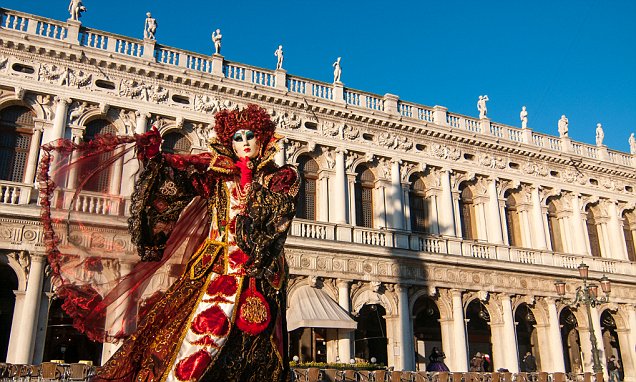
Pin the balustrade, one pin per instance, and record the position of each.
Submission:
(50, 30)
(234, 72)
(167, 56)
(14, 193)
(93, 40)
(263, 78)
(129, 47)
(296, 85)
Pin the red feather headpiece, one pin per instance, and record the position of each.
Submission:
(253, 118)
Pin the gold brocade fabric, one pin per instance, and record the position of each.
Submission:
(260, 227)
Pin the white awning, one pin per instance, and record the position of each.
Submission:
(313, 308)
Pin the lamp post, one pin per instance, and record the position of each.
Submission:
(587, 295)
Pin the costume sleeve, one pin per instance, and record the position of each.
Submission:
(261, 231)
(165, 187)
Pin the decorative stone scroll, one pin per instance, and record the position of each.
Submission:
(142, 91)
(445, 152)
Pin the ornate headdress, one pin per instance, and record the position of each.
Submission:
(253, 118)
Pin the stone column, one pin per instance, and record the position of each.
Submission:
(14, 336)
(345, 338)
(380, 204)
(131, 165)
(279, 158)
(115, 182)
(76, 136)
(577, 227)
(555, 349)
(394, 201)
(459, 348)
(524, 222)
(481, 219)
(113, 314)
(627, 340)
(339, 194)
(538, 228)
(407, 352)
(447, 219)
(28, 324)
(494, 218)
(509, 340)
(618, 244)
(34, 150)
(59, 122)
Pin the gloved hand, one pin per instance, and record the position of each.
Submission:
(148, 144)
(245, 166)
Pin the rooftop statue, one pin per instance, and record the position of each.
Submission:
(632, 144)
(563, 126)
(600, 134)
(75, 8)
(523, 115)
(150, 27)
(216, 38)
(481, 106)
(337, 71)
(279, 54)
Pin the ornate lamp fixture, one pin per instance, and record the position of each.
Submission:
(587, 295)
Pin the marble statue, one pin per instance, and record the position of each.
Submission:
(279, 54)
(481, 106)
(600, 134)
(337, 71)
(150, 27)
(632, 144)
(563, 126)
(523, 115)
(75, 8)
(216, 38)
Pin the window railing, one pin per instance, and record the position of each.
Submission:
(14, 193)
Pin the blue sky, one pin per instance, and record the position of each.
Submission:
(576, 58)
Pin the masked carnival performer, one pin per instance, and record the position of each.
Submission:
(223, 216)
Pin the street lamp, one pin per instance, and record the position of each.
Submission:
(588, 296)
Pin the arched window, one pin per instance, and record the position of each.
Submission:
(365, 182)
(100, 181)
(554, 227)
(467, 213)
(16, 128)
(308, 169)
(629, 227)
(512, 220)
(176, 143)
(418, 205)
(592, 231)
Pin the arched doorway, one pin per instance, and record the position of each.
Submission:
(478, 330)
(426, 329)
(7, 304)
(526, 334)
(370, 336)
(610, 338)
(571, 342)
(64, 342)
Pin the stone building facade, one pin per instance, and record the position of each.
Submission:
(417, 227)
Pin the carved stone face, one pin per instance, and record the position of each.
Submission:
(245, 144)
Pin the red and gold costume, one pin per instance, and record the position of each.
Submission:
(224, 317)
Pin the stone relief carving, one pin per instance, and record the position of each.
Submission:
(330, 158)
(329, 128)
(209, 104)
(142, 91)
(22, 258)
(129, 119)
(77, 111)
(59, 75)
(204, 132)
(393, 141)
(535, 169)
(405, 170)
(493, 162)
(445, 152)
(350, 160)
(572, 176)
(3, 62)
(291, 148)
(384, 168)
(46, 101)
(286, 121)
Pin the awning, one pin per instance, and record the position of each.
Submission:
(313, 308)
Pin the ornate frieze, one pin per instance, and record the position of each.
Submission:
(443, 151)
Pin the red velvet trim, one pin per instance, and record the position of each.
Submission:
(193, 367)
(211, 321)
